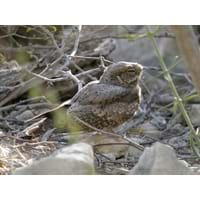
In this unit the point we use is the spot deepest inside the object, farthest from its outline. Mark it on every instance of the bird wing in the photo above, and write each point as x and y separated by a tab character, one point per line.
99	93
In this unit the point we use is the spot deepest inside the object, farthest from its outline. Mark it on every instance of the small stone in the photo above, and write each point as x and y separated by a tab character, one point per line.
77	159
179	141
28	114
160	159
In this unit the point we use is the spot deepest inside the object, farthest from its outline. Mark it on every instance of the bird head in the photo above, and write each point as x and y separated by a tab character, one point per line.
124	74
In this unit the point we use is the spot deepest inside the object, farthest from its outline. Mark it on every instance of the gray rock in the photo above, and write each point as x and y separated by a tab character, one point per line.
76	159
160	159
179	142
28	114
137	50
142	51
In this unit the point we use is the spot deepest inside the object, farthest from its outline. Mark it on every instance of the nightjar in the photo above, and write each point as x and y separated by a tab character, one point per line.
109	102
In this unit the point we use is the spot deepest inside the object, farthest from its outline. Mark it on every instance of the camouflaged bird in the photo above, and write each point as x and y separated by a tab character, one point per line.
107	103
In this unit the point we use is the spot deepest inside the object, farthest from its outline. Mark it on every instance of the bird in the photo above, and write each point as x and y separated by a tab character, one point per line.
110	101
107	103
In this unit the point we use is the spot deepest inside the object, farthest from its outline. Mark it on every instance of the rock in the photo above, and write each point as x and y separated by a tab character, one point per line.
132	50
160	159
76	159
140	50
196	168
179	142
194	114
28	114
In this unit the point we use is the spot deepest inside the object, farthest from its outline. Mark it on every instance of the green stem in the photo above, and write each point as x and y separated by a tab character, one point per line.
171	84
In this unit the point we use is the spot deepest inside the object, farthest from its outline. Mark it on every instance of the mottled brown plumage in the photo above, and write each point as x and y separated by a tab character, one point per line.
112	100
